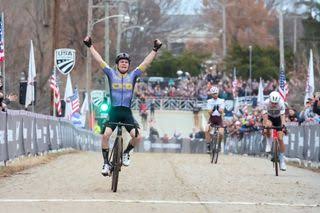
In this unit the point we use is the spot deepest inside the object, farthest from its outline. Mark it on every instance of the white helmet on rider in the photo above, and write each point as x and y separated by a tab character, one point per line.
214	90
275	97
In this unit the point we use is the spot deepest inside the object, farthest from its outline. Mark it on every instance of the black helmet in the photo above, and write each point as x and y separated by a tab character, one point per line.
123	56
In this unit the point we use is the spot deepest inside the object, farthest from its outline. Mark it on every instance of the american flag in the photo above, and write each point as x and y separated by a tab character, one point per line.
283	86
1	38
56	94
75	103
234	83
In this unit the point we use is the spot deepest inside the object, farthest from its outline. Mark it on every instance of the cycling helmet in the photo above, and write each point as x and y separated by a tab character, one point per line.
123	56
214	90
274	97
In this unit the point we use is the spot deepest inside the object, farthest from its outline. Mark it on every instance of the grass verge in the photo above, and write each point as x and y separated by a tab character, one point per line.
17	165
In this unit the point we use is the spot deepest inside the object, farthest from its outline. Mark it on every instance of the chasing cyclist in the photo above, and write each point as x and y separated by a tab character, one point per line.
215	108
274	115
121	84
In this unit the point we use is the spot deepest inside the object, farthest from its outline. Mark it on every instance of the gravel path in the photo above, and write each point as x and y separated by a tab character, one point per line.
161	183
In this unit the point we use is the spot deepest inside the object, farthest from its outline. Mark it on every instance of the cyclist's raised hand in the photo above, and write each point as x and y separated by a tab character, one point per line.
87	41
157	45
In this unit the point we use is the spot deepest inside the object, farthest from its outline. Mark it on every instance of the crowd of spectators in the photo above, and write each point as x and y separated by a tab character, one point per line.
244	119
188	87
249	119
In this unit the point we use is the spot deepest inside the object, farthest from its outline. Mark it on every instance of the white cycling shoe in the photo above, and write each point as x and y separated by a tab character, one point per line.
282	164
106	170
126	159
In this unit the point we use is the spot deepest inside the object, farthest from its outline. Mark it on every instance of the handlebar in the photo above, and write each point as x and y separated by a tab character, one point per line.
120	124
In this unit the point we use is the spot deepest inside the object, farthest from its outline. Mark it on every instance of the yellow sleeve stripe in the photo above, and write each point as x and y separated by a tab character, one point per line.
142	68
103	65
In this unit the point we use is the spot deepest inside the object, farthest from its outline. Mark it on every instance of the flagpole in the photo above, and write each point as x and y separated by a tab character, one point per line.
4	61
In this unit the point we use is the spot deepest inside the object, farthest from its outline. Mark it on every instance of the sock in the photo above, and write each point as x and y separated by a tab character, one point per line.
105	154
129	148
208	145
269	144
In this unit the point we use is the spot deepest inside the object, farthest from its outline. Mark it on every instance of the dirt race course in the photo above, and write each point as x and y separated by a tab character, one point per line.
161	183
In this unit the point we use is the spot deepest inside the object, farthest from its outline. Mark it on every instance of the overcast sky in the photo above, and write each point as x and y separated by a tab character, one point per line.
188	7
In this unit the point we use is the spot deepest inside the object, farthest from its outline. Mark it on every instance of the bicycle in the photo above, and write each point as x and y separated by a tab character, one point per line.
215	146
275	147
115	157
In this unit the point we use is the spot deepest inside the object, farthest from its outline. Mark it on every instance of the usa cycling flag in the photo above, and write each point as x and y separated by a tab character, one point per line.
2	38
283	86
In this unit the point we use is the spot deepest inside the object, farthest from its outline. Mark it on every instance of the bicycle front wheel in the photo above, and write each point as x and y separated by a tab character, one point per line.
117	155
214	151
276	157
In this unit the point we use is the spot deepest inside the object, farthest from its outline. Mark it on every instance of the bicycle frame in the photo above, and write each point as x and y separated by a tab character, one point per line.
116	154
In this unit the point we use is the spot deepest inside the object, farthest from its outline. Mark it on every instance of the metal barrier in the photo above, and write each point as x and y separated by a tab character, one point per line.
26	133
186	104
302	142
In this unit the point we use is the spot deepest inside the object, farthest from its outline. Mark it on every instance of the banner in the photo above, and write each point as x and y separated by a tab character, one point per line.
65	60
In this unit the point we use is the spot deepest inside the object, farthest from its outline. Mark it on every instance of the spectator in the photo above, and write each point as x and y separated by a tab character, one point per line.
196	119
152	109
143	113
192	135
292	115
307	115
153	134
4	101
316	104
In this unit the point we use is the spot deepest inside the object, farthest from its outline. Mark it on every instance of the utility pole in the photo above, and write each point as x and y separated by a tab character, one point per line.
88	64
281	48
55	44
295	35
250	68
106	42
224	39
118	47
106	32
118	36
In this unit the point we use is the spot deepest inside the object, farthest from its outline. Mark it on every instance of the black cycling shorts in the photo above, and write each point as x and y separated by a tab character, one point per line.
215	121
123	115
276	122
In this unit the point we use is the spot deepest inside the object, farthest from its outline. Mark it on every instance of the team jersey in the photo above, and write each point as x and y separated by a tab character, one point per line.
121	85
215	105
274	111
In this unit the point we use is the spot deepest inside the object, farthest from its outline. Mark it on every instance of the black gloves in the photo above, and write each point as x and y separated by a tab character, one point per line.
216	107
156	45
88	42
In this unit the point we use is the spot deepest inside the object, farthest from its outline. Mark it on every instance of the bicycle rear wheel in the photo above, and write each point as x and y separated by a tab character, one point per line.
116	162
276	158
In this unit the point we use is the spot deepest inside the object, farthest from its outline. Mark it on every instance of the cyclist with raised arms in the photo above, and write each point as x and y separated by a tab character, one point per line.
121	84
215	107
274	115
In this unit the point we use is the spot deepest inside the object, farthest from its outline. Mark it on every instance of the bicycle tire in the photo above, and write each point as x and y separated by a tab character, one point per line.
213	150
116	160
276	160
217	153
